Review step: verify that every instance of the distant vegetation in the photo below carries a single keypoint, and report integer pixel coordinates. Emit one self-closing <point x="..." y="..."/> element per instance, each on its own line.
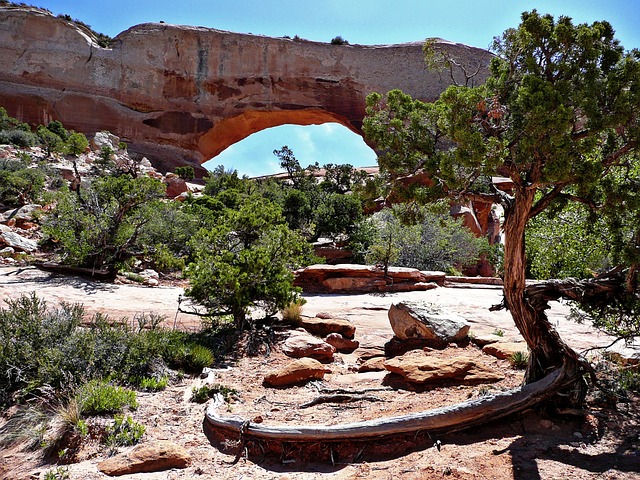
<point x="338" y="40"/>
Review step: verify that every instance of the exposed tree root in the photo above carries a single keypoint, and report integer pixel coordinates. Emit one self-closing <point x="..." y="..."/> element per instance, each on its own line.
<point x="453" y="418"/>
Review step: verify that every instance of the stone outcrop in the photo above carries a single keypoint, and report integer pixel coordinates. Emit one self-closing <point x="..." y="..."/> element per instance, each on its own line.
<point x="181" y="95"/>
<point x="348" y="278"/>
<point x="148" y="457"/>
<point x="420" y="320"/>
<point x="420" y="368"/>
<point x="296" y="372"/>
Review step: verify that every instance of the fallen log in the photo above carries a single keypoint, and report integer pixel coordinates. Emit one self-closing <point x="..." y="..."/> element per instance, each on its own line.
<point x="453" y="418"/>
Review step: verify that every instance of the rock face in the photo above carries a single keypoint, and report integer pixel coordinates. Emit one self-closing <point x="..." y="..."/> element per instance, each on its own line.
<point x="148" y="457"/>
<point x="348" y="278"/>
<point x="180" y="94"/>
<point x="296" y="372"/>
<point x="418" y="367"/>
<point x="411" y="320"/>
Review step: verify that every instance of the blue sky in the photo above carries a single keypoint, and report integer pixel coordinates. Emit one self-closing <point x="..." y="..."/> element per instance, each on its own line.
<point x="367" y="22"/>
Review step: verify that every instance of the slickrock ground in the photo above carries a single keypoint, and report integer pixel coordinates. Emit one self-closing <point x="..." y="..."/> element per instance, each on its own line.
<point x="604" y="446"/>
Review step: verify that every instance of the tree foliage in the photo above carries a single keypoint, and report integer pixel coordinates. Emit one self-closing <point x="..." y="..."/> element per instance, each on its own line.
<point x="99" y="226"/>
<point x="557" y="116"/>
<point x="246" y="260"/>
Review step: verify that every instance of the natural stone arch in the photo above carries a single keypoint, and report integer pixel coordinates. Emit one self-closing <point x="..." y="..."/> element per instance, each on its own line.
<point x="169" y="91"/>
<point x="235" y="129"/>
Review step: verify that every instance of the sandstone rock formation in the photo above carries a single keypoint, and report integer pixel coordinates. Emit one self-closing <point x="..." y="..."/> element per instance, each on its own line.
<point x="181" y="95"/>
<point x="347" y="278"/>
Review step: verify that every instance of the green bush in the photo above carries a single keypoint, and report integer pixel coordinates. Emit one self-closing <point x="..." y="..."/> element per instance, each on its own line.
<point x="18" y="138"/>
<point x="124" y="432"/>
<point x="153" y="384"/>
<point x="19" y="183"/>
<point x="338" y="40"/>
<point x="99" y="397"/>
<point x="185" y="172"/>
<point x="205" y="392"/>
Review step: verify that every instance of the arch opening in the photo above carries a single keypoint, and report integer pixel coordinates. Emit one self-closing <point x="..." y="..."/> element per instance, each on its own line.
<point x="246" y="142"/>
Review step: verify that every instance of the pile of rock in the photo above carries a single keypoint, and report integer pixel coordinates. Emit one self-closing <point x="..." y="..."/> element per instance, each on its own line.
<point x="313" y="345"/>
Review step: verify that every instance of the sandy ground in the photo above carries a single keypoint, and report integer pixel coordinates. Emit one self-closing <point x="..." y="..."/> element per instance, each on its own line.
<point x="601" y="445"/>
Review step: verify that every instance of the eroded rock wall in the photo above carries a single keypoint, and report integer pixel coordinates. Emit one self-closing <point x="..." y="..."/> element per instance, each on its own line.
<point x="183" y="94"/>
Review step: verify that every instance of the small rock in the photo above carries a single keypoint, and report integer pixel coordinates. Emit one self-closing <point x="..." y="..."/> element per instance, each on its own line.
<point x="482" y="340"/>
<point x="18" y="242"/>
<point x="149" y="457"/>
<point x="544" y="423"/>
<point x="104" y="139"/>
<point x="324" y="326"/>
<point x="375" y="364"/>
<point x="296" y="372"/>
<point x="504" y="350"/>
<point x="302" y="344"/>
<point x="175" y="185"/>
<point x="7" y="252"/>
<point x="342" y="344"/>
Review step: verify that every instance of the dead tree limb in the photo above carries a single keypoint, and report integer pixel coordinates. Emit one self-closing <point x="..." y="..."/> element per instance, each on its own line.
<point x="452" y="418"/>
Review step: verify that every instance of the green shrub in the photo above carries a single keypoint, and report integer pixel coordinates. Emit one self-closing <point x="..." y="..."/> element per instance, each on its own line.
<point x="185" y="172"/>
<point x="338" y="40"/>
<point x="124" y="432"/>
<point x="59" y="473"/>
<point x="498" y="332"/>
<point x="205" y="392"/>
<point x="153" y="384"/>
<point x="99" y="397"/>
<point x="18" y="138"/>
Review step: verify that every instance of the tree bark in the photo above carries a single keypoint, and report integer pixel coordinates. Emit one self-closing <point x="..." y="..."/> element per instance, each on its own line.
<point x="547" y="351"/>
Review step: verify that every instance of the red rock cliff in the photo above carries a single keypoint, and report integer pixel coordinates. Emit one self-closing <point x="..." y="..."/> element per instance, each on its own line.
<point x="183" y="94"/>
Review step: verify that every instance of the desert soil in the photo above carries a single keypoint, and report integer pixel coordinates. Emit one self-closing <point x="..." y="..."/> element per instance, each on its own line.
<point x="601" y="444"/>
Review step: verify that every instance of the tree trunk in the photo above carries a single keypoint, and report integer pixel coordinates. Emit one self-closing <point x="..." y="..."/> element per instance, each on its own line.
<point x="547" y="351"/>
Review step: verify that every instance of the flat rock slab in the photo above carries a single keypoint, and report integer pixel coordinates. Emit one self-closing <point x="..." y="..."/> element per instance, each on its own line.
<point x="419" y="367"/>
<point x="296" y="372"/>
<point x="148" y="457"/>
<point x="422" y="320"/>
<point x="325" y="326"/>
<point x="504" y="350"/>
